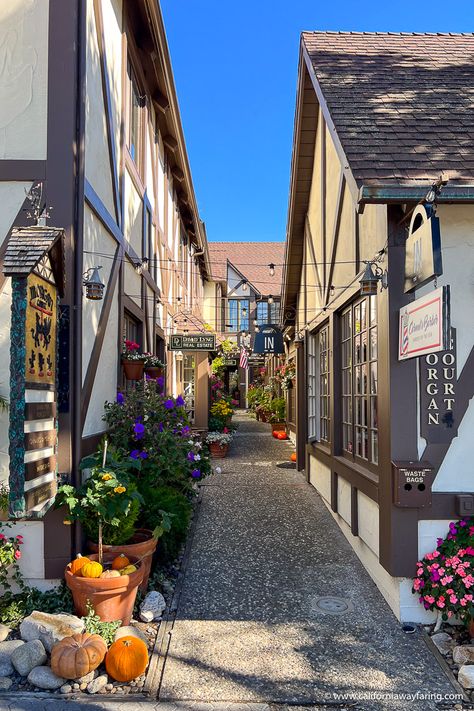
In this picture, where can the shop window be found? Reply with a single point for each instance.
(319, 386)
(238, 315)
(135, 117)
(359, 380)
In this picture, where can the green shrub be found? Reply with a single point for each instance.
(115, 535)
(165, 498)
(14, 607)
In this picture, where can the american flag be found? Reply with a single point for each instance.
(244, 357)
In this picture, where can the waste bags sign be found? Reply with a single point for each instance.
(269, 340)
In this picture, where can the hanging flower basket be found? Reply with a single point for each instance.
(133, 369)
(154, 372)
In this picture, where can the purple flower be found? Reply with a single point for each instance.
(185, 430)
(120, 398)
(139, 430)
(135, 453)
(160, 427)
(452, 528)
(196, 473)
(190, 457)
(160, 382)
(169, 404)
(462, 523)
(439, 542)
(179, 401)
(435, 576)
(144, 455)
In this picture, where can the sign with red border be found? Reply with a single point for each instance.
(424, 325)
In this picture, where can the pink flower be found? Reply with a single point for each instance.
(17, 555)
(419, 572)
(468, 597)
(453, 599)
(19, 538)
(430, 599)
(440, 602)
(446, 580)
(469, 581)
(418, 584)
(461, 572)
(2, 537)
(463, 601)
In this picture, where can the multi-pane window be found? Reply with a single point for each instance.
(274, 312)
(238, 315)
(359, 380)
(262, 313)
(324, 389)
(319, 393)
(131, 328)
(135, 104)
(312, 381)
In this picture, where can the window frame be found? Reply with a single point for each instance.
(136, 153)
(242, 322)
(318, 398)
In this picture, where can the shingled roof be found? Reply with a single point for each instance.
(402, 104)
(251, 259)
(27, 246)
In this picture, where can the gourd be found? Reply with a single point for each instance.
(110, 574)
(293, 457)
(128, 570)
(92, 569)
(76, 565)
(121, 561)
(282, 435)
(275, 433)
(78, 655)
(126, 659)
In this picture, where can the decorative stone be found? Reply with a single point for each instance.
(28, 656)
(95, 686)
(444, 642)
(129, 631)
(44, 678)
(4, 632)
(152, 606)
(6, 651)
(87, 678)
(466, 677)
(50, 628)
(66, 689)
(5, 683)
(464, 654)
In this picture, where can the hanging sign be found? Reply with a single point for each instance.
(193, 342)
(269, 340)
(423, 260)
(438, 382)
(424, 325)
(40, 331)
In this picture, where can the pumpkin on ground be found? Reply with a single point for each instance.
(282, 435)
(126, 659)
(110, 574)
(293, 457)
(275, 433)
(92, 569)
(78, 655)
(121, 561)
(75, 566)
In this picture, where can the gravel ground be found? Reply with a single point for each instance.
(247, 628)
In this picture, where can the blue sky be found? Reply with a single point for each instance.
(235, 67)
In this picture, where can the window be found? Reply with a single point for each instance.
(135, 103)
(319, 386)
(262, 313)
(189, 383)
(274, 312)
(359, 380)
(131, 328)
(238, 315)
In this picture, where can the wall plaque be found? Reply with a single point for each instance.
(40, 328)
(42, 493)
(40, 440)
(40, 467)
(40, 410)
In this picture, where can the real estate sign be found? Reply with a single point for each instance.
(193, 342)
(424, 325)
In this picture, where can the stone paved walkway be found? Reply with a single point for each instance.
(247, 629)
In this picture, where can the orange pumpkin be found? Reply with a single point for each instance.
(275, 433)
(92, 569)
(78, 655)
(126, 659)
(121, 561)
(282, 435)
(75, 566)
(293, 457)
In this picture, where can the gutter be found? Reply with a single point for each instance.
(392, 194)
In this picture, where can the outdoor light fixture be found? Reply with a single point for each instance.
(270, 299)
(332, 289)
(245, 285)
(271, 267)
(255, 322)
(94, 286)
(244, 311)
(373, 274)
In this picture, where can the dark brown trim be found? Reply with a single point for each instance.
(22, 170)
(100, 335)
(334, 497)
(132, 307)
(91, 443)
(322, 129)
(354, 511)
(399, 194)
(335, 233)
(357, 242)
(356, 475)
(301, 404)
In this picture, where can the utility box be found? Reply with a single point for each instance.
(412, 482)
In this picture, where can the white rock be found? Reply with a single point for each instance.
(5, 683)
(95, 686)
(466, 676)
(464, 654)
(152, 606)
(44, 678)
(50, 628)
(4, 632)
(66, 689)
(6, 651)
(129, 631)
(28, 656)
(443, 641)
(87, 678)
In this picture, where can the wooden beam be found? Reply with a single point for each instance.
(177, 173)
(335, 232)
(160, 102)
(170, 142)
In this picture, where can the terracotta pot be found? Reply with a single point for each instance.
(278, 426)
(133, 369)
(111, 598)
(142, 546)
(218, 452)
(154, 371)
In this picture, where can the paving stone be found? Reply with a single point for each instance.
(5, 683)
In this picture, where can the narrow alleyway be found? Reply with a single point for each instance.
(248, 628)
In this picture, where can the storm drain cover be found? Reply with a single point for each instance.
(331, 605)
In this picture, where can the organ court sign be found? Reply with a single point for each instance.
(269, 340)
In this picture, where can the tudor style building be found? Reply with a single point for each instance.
(89, 111)
(379, 118)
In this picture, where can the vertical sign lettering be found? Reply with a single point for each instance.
(438, 381)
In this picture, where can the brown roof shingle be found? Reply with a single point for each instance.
(252, 260)
(402, 104)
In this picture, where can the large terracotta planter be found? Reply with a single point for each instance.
(142, 546)
(278, 426)
(111, 598)
(154, 372)
(218, 452)
(133, 369)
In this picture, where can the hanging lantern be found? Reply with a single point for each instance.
(94, 286)
(271, 268)
(245, 285)
(270, 299)
(371, 278)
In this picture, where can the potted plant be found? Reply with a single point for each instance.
(277, 414)
(133, 362)
(218, 443)
(105, 498)
(154, 367)
(4, 491)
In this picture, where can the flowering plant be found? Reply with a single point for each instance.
(445, 578)
(221, 408)
(130, 351)
(285, 374)
(152, 361)
(10, 554)
(223, 439)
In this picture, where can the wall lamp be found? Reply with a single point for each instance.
(94, 286)
(373, 274)
(270, 299)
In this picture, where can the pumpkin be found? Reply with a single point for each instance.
(75, 566)
(78, 655)
(293, 457)
(121, 561)
(91, 570)
(282, 435)
(110, 574)
(128, 570)
(275, 433)
(126, 659)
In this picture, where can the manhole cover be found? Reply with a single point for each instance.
(331, 605)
